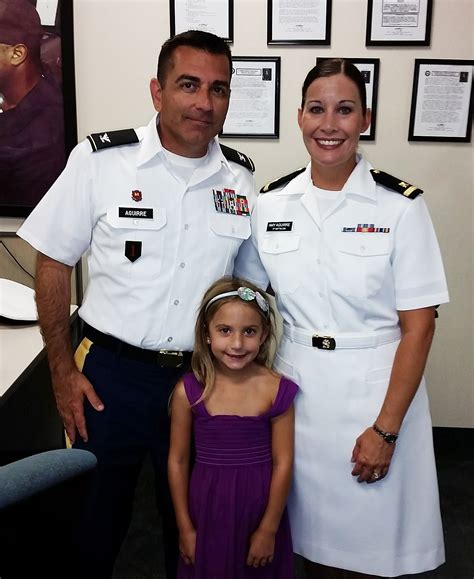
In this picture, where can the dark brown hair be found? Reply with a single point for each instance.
(331, 67)
(195, 39)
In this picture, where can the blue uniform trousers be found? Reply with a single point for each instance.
(134, 423)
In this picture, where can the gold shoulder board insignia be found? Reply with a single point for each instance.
(108, 139)
(395, 184)
(237, 157)
(281, 181)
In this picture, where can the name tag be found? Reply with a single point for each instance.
(134, 213)
(279, 225)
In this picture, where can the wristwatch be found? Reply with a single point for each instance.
(390, 437)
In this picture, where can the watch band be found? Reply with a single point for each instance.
(390, 437)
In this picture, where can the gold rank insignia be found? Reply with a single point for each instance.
(395, 184)
(281, 181)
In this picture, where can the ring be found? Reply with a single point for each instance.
(375, 475)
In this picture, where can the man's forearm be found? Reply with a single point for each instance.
(53, 298)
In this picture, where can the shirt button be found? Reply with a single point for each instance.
(182, 264)
(318, 261)
(320, 294)
(186, 226)
(170, 339)
(176, 302)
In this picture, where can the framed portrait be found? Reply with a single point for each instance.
(254, 109)
(369, 68)
(216, 16)
(299, 23)
(38, 127)
(442, 101)
(399, 22)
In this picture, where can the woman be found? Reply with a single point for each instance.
(357, 274)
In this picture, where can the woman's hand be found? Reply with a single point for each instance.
(187, 546)
(372, 456)
(262, 547)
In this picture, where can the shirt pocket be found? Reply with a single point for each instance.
(225, 236)
(233, 226)
(362, 263)
(148, 232)
(279, 257)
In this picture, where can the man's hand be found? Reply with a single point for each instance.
(70, 393)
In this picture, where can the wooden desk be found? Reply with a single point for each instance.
(29, 420)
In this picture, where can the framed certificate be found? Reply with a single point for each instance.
(216, 16)
(369, 68)
(441, 105)
(297, 22)
(38, 131)
(254, 110)
(399, 22)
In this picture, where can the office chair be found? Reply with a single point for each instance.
(41, 497)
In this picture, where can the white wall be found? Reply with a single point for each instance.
(116, 48)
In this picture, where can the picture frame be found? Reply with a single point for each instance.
(369, 68)
(254, 110)
(216, 16)
(399, 23)
(313, 26)
(442, 100)
(57, 58)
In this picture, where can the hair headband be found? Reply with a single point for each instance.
(246, 294)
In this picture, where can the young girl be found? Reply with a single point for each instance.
(231, 514)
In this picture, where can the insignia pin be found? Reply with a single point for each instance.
(137, 195)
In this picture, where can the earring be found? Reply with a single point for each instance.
(208, 340)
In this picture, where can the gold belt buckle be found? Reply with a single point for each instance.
(171, 358)
(324, 342)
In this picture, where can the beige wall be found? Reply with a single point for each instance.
(116, 46)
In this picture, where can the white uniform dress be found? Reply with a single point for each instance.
(345, 276)
(131, 200)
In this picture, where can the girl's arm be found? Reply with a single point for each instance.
(262, 542)
(178, 470)
(371, 452)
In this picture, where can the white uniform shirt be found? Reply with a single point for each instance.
(187, 244)
(330, 278)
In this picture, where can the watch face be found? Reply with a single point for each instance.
(391, 438)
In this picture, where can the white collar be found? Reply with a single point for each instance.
(360, 182)
(151, 146)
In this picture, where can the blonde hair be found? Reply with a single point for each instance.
(202, 362)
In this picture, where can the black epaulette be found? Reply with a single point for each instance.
(395, 184)
(112, 139)
(237, 157)
(281, 181)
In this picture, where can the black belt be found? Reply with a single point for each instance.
(166, 358)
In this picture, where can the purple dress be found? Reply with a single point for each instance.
(229, 490)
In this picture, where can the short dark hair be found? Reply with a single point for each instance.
(331, 67)
(195, 39)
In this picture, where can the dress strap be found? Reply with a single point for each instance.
(192, 388)
(285, 396)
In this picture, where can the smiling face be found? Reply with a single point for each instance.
(331, 121)
(193, 100)
(236, 333)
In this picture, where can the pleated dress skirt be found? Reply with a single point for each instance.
(389, 528)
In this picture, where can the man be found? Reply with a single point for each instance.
(31, 110)
(163, 212)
